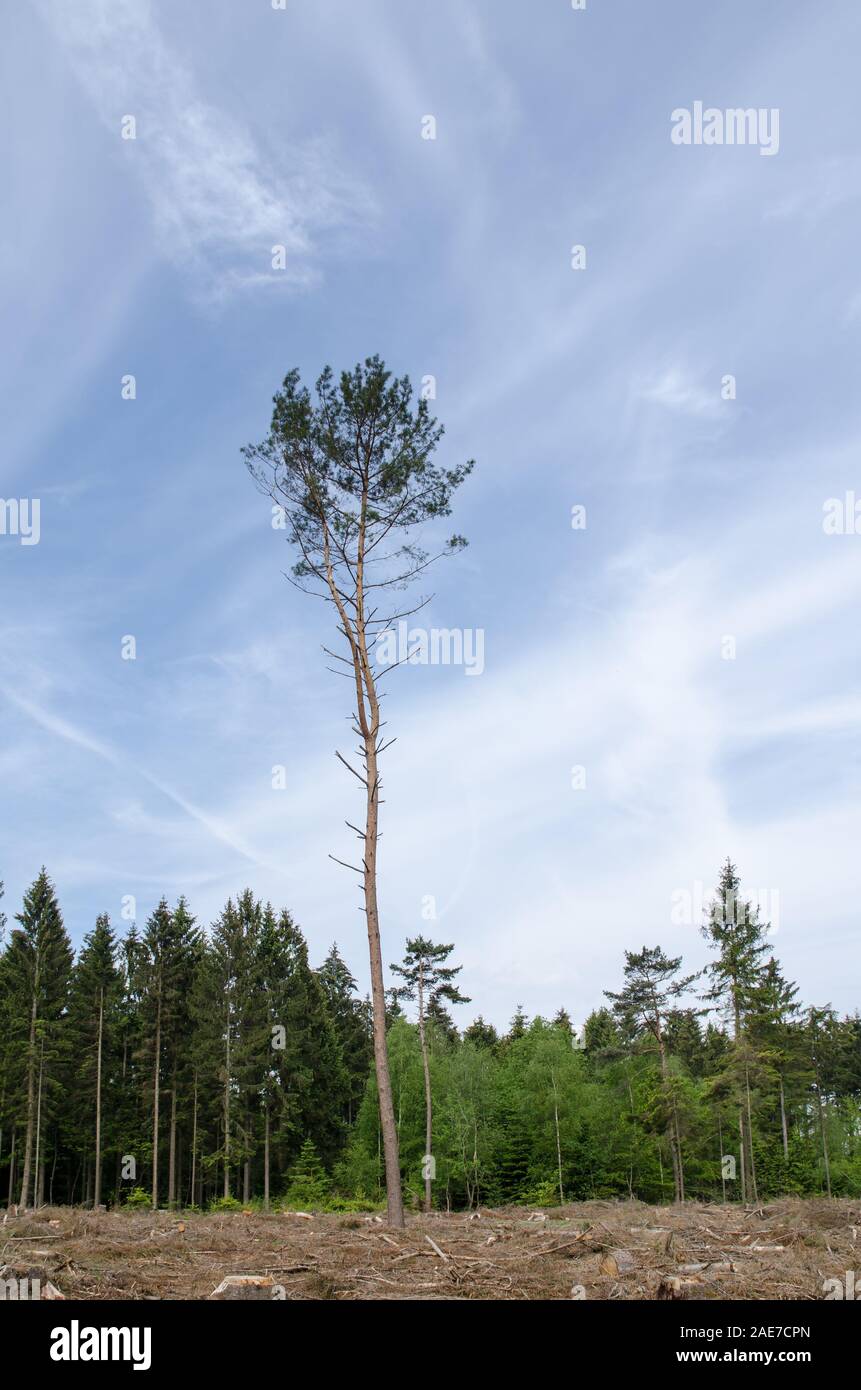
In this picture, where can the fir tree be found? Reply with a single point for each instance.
(517, 1027)
(170, 947)
(481, 1034)
(352, 1021)
(309, 1184)
(38, 966)
(312, 1077)
(94, 1002)
(734, 930)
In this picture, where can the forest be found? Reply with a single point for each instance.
(182, 1067)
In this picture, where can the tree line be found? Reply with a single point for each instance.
(177, 1066)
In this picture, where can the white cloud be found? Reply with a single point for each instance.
(676, 390)
(61, 728)
(220, 200)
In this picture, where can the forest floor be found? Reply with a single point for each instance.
(607, 1250)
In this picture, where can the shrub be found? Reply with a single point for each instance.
(543, 1194)
(309, 1184)
(136, 1198)
(225, 1204)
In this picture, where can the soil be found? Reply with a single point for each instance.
(597, 1250)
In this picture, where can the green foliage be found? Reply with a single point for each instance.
(354, 460)
(136, 1198)
(543, 1194)
(309, 1184)
(514, 1118)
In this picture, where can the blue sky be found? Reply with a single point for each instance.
(601, 387)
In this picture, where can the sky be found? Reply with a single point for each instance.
(669, 684)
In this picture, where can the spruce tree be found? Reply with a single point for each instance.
(481, 1034)
(38, 966)
(735, 932)
(309, 1184)
(131, 1100)
(94, 1002)
(233, 985)
(312, 1078)
(512, 1152)
(517, 1027)
(170, 947)
(184, 953)
(352, 1021)
(773, 1012)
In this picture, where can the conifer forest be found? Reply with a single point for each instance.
(220, 1068)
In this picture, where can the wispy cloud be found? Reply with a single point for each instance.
(220, 201)
(676, 390)
(79, 738)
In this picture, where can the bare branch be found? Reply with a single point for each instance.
(344, 865)
(362, 779)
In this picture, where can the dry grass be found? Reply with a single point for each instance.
(609, 1250)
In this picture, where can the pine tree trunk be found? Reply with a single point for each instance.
(681, 1196)
(118, 1175)
(31, 1096)
(678, 1181)
(394, 1196)
(171, 1162)
(266, 1162)
(53, 1170)
(194, 1141)
(824, 1136)
(97, 1194)
(155, 1101)
(783, 1129)
(367, 703)
(558, 1142)
(12, 1168)
(750, 1135)
(428, 1098)
(737, 1040)
(822, 1124)
(674, 1156)
(36, 1169)
(246, 1182)
(227, 1108)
